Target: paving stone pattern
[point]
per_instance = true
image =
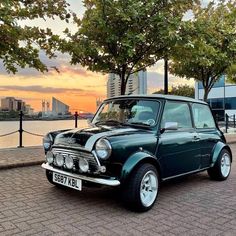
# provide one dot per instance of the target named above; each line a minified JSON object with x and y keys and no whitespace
{"x":193,"y":205}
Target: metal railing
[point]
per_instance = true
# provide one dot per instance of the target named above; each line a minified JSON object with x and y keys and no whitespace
{"x":21,"y":130}
{"x":226,"y":121}
{"x":229,"y":122}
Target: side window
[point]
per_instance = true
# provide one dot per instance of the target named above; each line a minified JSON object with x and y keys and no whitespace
{"x":202,"y":116}
{"x":177,"y":112}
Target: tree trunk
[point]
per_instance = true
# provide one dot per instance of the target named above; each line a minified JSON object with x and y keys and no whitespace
{"x":206,"y":92}
{"x":123,"y":84}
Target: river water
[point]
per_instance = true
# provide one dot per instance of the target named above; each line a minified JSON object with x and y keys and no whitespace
{"x":38,"y":127}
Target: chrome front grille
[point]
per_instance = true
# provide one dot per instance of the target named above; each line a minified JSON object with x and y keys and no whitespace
{"x":76,"y":155}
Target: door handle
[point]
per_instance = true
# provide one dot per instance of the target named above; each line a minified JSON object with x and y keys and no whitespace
{"x":196,"y":138}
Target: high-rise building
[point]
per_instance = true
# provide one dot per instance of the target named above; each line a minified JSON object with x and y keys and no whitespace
{"x":137,"y":84}
{"x":221,"y":98}
{"x":59,"y":108}
{"x":12,"y":104}
{"x":7,"y":103}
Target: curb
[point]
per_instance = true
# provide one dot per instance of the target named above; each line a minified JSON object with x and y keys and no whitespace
{"x":22,"y":164}
{"x":231,"y":142}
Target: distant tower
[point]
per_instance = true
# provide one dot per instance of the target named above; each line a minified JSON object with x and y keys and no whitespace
{"x":43,"y":107}
{"x":48,"y":106}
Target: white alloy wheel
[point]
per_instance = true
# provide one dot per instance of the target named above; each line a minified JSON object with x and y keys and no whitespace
{"x":148,"y":188}
{"x":225,"y":165}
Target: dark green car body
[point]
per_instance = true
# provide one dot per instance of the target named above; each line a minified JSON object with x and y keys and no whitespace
{"x":173,"y":152}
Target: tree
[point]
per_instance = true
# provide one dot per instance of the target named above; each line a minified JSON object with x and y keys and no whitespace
{"x":124,"y":36}
{"x":207,"y":48}
{"x":19,"y":45}
{"x":180,"y":90}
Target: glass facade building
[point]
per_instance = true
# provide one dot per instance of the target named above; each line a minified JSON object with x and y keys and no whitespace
{"x":222,"y":97}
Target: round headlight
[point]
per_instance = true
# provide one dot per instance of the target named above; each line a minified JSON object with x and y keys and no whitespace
{"x":59,"y":160}
{"x":103,"y":149}
{"x":69,"y":162}
{"x":49,"y":157}
{"x":83,"y":165}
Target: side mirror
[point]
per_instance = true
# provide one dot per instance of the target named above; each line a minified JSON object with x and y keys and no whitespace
{"x":170,"y":126}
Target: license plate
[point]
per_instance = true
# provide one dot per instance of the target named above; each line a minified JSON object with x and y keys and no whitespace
{"x":67,"y":181}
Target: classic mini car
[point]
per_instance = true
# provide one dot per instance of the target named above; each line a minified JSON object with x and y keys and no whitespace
{"x":136,"y":142}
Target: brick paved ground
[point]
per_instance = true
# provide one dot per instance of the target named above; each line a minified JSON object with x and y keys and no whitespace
{"x":195,"y":205}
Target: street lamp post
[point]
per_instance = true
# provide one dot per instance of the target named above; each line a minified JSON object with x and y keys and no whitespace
{"x":165,"y":76}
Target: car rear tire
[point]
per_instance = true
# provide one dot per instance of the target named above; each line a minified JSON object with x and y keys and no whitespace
{"x":141,"y":190}
{"x":221,"y":170}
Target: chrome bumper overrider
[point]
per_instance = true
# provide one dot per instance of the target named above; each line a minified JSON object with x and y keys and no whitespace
{"x":109,"y":182}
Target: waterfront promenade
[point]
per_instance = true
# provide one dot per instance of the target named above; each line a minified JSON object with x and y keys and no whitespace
{"x":19,"y":157}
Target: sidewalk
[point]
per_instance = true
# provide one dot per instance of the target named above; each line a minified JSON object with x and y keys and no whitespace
{"x":28,"y":156}
{"x":18,"y":157}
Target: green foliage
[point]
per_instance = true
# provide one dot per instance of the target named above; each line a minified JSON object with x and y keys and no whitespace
{"x":207,"y":45}
{"x":5,"y":115}
{"x":124,"y":36}
{"x":19,"y":45}
{"x":180,"y":90}
{"x":231,"y":74}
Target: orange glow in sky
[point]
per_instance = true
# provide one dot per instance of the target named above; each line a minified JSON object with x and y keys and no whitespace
{"x":77,"y":88}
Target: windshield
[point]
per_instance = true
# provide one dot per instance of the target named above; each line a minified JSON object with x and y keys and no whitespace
{"x":128,"y":111}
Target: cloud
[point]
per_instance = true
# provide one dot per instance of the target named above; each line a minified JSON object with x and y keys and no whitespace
{"x":42,"y":89}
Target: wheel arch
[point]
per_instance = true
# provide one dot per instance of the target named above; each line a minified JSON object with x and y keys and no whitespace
{"x":217,"y":150}
{"x":135,"y":160}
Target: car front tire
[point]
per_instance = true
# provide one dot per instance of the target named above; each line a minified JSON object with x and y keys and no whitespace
{"x":49,"y":176}
{"x":221,"y":169}
{"x":141,"y":190}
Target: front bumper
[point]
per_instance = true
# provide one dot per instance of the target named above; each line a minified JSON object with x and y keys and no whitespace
{"x":108,"y":182}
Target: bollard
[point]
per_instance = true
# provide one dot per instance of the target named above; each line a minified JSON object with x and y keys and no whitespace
{"x":20,"y":130}
{"x":76,"y":119}
{"x":226,"y":123}
{"x":234,"y":121}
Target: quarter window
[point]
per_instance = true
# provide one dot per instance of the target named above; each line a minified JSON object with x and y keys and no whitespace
{"x":177,"y":112}
{"x":202,"y":117}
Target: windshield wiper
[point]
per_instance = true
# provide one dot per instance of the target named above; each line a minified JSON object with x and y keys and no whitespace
{"x":108,"y":122}
{"x":140,"y":124}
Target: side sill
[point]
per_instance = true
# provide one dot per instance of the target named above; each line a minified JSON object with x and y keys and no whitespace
{"x":186,"y":173}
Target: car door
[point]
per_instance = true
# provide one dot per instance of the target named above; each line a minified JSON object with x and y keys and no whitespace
{"x":207,"y":132}
{"x":178,"y":150}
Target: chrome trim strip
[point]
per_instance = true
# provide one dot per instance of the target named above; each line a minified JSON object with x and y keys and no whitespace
{"x":56,"y":146}
{"x":108,"y":182}
{"x":186,"y":173}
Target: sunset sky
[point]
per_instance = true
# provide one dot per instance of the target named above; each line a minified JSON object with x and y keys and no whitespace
{"x":74,"y":85}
